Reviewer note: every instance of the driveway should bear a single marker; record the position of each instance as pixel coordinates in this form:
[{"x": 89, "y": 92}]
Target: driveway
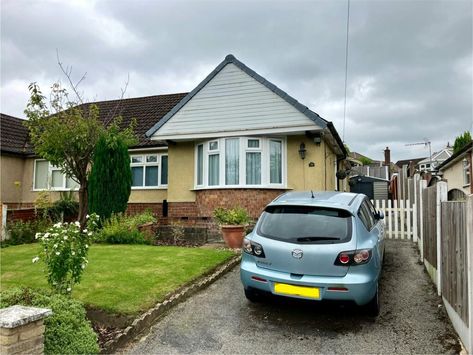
[{"x": 220, "y": 319}]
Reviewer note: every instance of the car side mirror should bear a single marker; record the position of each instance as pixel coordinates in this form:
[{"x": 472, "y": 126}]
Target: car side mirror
[{"x": 380, "y": 215}]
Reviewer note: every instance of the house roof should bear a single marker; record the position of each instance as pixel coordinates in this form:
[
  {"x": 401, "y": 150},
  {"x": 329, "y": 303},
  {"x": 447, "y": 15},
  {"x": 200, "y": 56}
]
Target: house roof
[
  {"x": 439, "y": 156},
  {"x": 14, "y": 138},
  {"x": 319, "y": 121},
  {"x": 146, "y": 110},
  {"x": 455, "y": 156},
  {"x": 401, "y": 163}
]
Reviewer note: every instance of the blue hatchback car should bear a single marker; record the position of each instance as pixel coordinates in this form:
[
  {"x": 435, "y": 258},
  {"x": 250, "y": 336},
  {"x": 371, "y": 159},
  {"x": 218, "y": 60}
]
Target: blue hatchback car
[{"x": 317, "y": 246}]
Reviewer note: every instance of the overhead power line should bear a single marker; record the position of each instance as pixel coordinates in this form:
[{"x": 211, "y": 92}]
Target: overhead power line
[{"x": 346, "y": 70}]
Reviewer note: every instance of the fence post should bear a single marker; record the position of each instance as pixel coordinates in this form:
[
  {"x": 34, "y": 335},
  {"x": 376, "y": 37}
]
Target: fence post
[
  {"x": 4, "y": 222},
  {"x": 390, "y": 220},
  {"x": 469, "y": 271},
  {"x": 422, "y": 186},
  {"x": 408, "y": 219},
  {"x": 395, "y": 219},
  {"x": 402, "y": 205},
  {"x": 441, "y": 196},
  {"x": 414, "y": 222}
]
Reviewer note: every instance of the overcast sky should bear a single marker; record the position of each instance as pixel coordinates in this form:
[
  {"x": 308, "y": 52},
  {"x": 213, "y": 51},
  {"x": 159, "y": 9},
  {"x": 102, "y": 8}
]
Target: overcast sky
[{"x": 409, "y": 70}]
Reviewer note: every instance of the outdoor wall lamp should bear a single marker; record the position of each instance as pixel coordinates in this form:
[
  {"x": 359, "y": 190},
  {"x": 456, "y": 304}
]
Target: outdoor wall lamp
[
  {"x": 302, "y": 151},
  {"x": 318, "y": 139}
]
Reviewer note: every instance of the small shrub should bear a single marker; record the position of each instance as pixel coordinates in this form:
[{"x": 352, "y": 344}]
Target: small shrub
[
  {"x": 231, "y": 216},
  {"x": 122, "y": 229},
  {"x": 177, "y": 232},
  {"x": 64, "y": 251},
  {"x": 67, "y": 330},
  {"x": 23, "y": 232},
  {"x": 65, "y": 208}
]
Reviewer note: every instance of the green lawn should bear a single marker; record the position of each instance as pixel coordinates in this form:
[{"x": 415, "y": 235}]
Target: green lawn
[{"x": 120, "y": 279}]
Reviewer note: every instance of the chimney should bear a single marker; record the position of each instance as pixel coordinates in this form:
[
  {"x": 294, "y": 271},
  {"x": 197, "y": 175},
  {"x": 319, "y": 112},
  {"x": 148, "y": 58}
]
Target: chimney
[{"x": 387, "y": 157}]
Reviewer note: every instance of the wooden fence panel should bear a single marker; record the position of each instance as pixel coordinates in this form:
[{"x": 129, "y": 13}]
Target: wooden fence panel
[
  {"x": 429, "y": 222},
  {"x": 455, "y": 257}
]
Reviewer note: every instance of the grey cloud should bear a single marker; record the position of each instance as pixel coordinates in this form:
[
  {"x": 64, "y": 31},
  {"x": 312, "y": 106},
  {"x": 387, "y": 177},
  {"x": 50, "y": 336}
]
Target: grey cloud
[{"x": 410, "y": 72}]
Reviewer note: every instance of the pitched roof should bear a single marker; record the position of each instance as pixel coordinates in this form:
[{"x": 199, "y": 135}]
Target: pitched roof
[
  {"x": 462, "y": 151},
  {"x": 401, "y": 163},
  {"x": 289, "y": 99},
  {"x": 14, "y": 136},
  {"x": 146, "y": 110}
]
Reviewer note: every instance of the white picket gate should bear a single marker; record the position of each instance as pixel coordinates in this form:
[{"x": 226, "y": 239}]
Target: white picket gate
[{"x": 398, "y": 219}]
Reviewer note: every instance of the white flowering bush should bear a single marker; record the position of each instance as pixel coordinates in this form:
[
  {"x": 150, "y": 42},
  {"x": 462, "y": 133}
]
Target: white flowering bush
[{"x": 64, "y": 250}]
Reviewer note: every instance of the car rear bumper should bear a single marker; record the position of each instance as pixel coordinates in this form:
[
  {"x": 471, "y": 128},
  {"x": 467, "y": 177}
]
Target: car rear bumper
[{"x": 358, "y": 285}]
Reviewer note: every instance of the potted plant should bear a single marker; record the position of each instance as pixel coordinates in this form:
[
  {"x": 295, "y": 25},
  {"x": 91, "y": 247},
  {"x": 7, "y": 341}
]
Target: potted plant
[{"x": 232, "y": 222}]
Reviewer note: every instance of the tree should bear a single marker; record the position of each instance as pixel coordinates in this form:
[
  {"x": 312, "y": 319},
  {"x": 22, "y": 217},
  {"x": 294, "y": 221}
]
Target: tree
[
  {"x": 110, "y": 177},
  {"x": 66, "y": 133},
  {"x": 365, "y": 161},
  {"x": 461, "y": 141}
]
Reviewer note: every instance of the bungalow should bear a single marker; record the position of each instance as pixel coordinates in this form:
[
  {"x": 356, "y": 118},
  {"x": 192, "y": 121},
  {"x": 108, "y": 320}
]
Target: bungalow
[
  {"x": 456, "y": 170},
  {"x": 236, "y": 139}
]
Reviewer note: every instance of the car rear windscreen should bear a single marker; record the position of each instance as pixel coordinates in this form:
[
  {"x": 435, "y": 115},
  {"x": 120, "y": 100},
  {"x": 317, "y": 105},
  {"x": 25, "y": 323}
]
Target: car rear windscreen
[{"x": 306, "y": 224}]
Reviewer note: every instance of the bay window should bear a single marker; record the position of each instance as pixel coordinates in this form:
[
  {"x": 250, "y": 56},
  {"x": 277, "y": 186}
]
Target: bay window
[
  {"x": 149, "y": 170},
  {"x": 47, "y": 176},
  {"x": 240, "y": 162}
]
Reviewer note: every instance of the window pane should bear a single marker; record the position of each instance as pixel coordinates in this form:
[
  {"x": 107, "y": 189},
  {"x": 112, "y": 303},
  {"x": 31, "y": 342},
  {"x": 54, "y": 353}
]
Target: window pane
[
  {"x": 200, "y": 164},
  {"x": 213, "y": 145},
  {"x": 57, "y": 178},
  {"x": 253, "y": 168},
  {"x": 164, "y": 170},
  {"x": 214, "y": 169},
  {"x": 232, "y": 161},
  {"x": 152, "y": 159},
  {"x": 41, "y": 174},
  {"x": 151, "y": 178},
  {"x": 275, "y": 166},
  {"x": 137, "y": 159},
  {"x": 253, "y": 143},
  {"x": 71, "y": 184},
  {"x": 137, "y": 174}
]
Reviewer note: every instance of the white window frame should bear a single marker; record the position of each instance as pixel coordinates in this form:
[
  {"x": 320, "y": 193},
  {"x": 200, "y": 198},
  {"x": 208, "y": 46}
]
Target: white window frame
[
  {"x": 243, "y": 146},
  {"x": 49, "y": 186},
  {"x": 144, "y": 163}
]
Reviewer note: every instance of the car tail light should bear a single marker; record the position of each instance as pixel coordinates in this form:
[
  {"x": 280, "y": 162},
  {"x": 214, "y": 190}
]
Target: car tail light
[
  {"x": 253, "y": 248},
  {"x": 353, "y": 257}
]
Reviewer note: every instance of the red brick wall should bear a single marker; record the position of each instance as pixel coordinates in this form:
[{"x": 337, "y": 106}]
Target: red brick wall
[
  {"x": 183, "y": 209},
  {"x": 135, "y": 208},
  {"x": 25, "y": 214},
  {"x": 254, "y": 200}
]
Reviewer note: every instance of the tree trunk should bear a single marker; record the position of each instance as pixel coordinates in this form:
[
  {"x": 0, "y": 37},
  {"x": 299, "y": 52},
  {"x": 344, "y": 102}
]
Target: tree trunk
[{"x": 83, "y": 203}]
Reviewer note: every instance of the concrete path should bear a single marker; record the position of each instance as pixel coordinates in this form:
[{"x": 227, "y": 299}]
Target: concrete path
[{"x": 220, "y": 319}]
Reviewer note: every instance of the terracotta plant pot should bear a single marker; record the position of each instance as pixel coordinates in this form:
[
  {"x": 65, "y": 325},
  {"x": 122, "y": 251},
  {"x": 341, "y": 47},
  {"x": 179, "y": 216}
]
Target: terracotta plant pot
[{"x": 233, "y": 235}]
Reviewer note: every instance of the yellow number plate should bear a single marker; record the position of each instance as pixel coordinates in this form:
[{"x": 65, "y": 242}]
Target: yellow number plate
[{"x": 303, "y": 291}]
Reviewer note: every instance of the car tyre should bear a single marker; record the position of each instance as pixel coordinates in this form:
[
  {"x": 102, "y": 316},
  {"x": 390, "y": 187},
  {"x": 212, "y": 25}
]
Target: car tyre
[
  {"x": 373, "y": 306},
  {"x": 253, "y": 295}
]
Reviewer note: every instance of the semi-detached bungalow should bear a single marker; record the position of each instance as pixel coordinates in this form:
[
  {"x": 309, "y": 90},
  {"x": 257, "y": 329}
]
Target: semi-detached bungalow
[{"x": 236, "y": 139}]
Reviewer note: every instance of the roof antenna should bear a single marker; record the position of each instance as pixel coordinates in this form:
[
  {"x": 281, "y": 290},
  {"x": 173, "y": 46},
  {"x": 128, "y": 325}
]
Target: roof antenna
[{"x": 312, "y": 192}]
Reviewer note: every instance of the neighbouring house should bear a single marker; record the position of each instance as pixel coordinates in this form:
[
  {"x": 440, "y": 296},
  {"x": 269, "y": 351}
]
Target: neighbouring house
[
  {"x": 410, "y": 165},
  {"x": 456, "y": 170},
  {"x": 376, "y": 168},
  {"x": 235, "y": 140},
  {"x": 431, "y": 164}
]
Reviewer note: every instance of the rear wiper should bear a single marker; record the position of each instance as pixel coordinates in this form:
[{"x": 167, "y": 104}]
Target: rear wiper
[{"x": 312, "y": 239}]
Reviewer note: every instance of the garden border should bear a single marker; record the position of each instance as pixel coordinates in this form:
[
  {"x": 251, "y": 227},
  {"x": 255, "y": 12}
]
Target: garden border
[{"x": 147, "y": 319}]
